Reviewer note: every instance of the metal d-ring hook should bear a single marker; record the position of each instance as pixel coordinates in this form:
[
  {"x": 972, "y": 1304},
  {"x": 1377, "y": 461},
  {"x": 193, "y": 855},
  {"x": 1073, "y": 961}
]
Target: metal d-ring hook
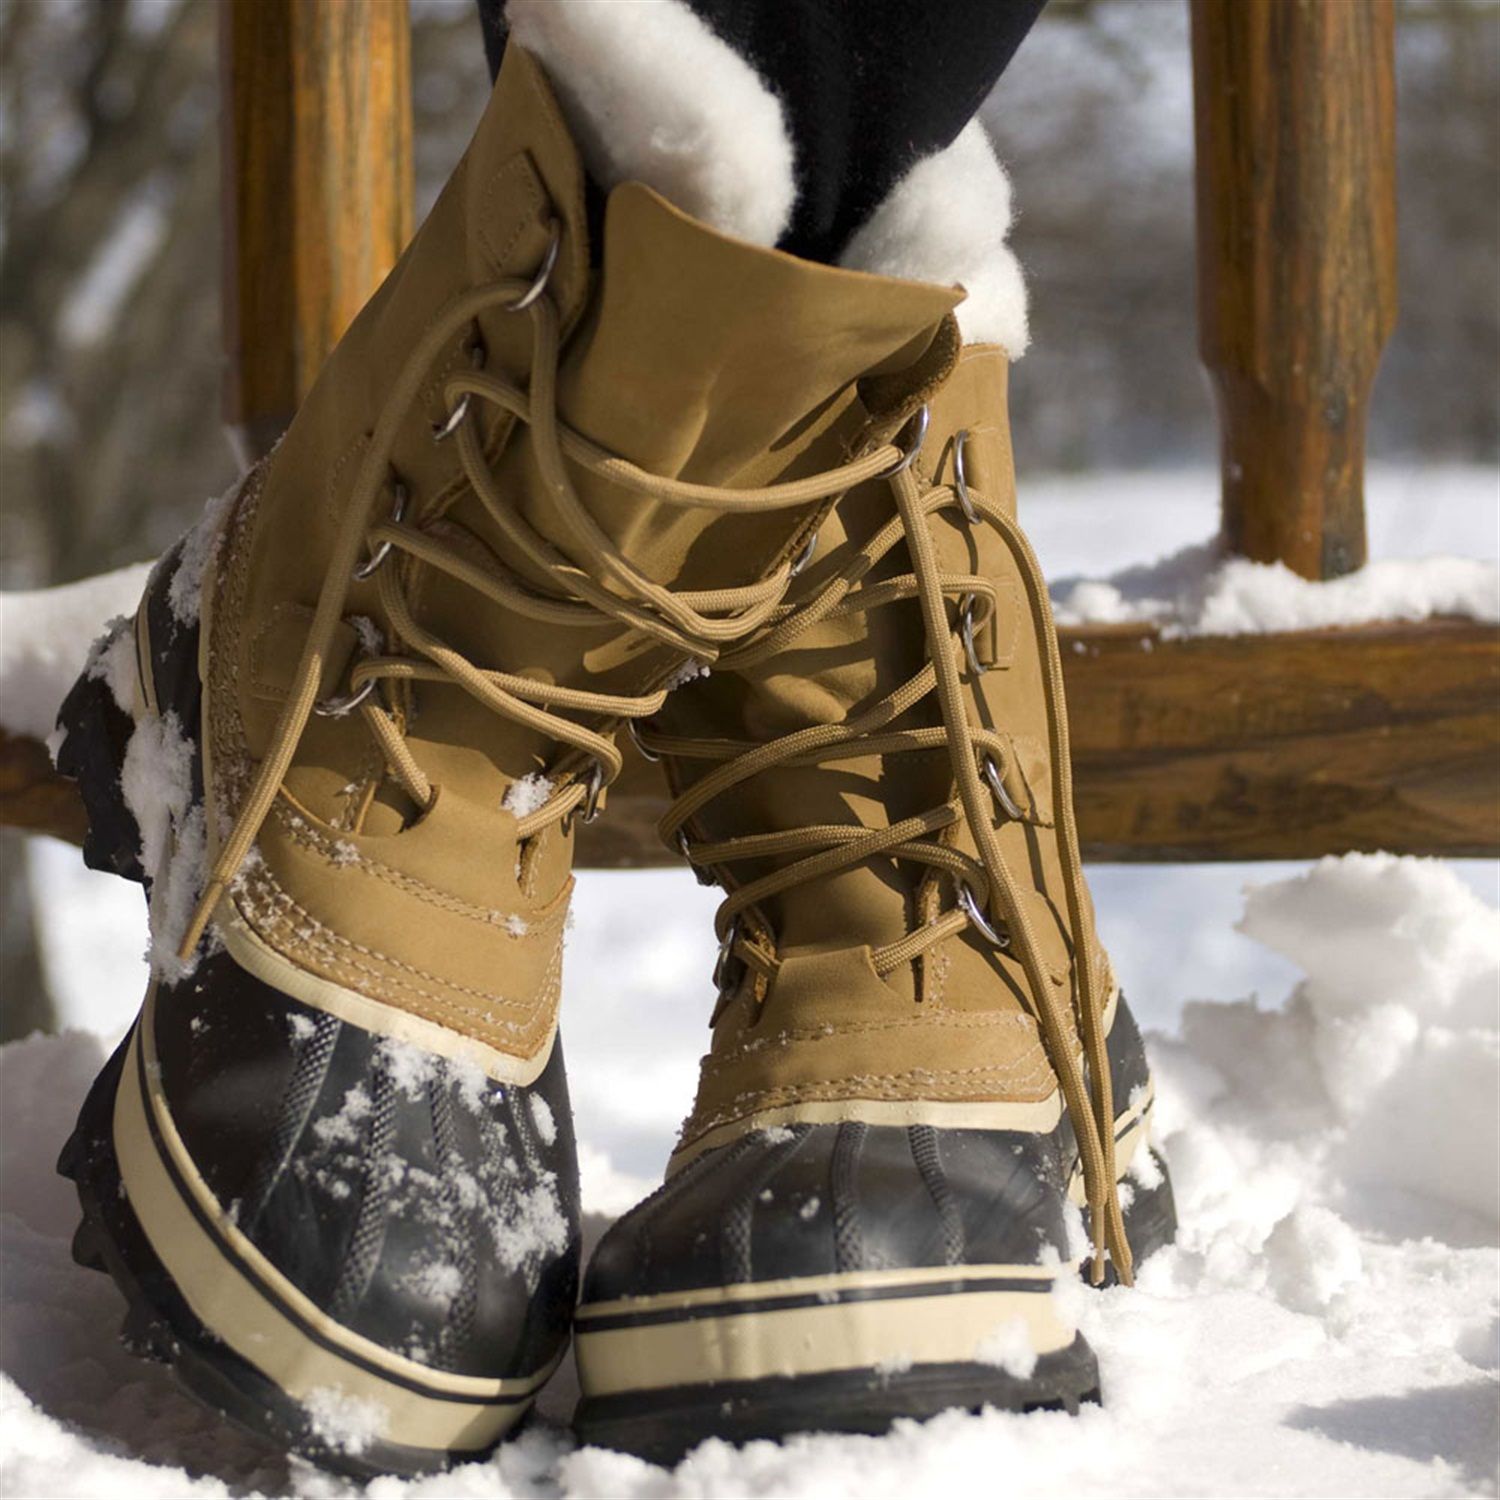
[
  {"x": 346, "y": 703},
  {"x": 960, "y": 478},
  {"x": 971, "y": 909},
  {"x": 997, "y": 786},
  {"x": 544, "y": 271},
  {"x": 922, "y": 421},
  {"x": 726, "y": 953},
  {"x": 634, "y": 730},
  {"x": 383, "y": 551},
  {"x": 966, "y": 630}
]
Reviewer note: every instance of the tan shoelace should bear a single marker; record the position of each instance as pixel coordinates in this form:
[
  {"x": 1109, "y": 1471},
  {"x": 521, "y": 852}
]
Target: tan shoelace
[
  {"x": 598, "y": 584},
  {"x": 976, "y": 754}
]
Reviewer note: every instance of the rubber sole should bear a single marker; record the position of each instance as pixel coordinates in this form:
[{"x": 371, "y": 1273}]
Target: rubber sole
[
  {"x": 235, "y": 1333},
  {"x": 846, "y": 1354}
]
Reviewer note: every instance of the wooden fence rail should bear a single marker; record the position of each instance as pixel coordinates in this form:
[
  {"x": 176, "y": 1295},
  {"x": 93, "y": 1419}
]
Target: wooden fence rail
[{"x": 1283, "y": 746}]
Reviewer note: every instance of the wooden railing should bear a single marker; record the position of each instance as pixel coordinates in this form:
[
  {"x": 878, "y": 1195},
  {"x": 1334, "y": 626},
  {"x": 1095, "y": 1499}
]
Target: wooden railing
[{"x": 1251, "y": 747}]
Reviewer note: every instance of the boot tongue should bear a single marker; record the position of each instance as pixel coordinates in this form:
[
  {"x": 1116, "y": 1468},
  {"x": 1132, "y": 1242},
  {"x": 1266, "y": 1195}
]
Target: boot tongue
[
  {"x": 705, "y": 354},
  {"x": 701, "y": 358}
]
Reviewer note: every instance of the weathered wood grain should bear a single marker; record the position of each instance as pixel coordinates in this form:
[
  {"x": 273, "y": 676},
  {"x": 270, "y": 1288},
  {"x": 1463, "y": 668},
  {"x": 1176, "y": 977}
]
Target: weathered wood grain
[
  {"x": 1245, "y": 747},
  {"x": 317, "y": 189},
  {"x": 1294, "y": 104},
  {"x": 1248, "y": 747},
  {"x": 33, "y": 796}
]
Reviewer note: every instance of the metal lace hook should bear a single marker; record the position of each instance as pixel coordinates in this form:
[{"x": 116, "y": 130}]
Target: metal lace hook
[
  {"x": 997, "y": 786},
  {"x": 633, "y": 728},
  {"x": 543, "y": 273},
  {"x": 805, "y": 556},
  {"x": 596, "y": 787},
  {"x": 726, "y": 953},
  {"x": 971, "y": 909},
  {"x": 383, "y": 551},
  {"x": 960, "y": 478},
  {"x": 446, "y": 429},
  {"x": 344, "y": 703},
  {"x": 685, "y": 849},
  {"x": 966, "y": 630},
  {"x": 922, "y": 421}
]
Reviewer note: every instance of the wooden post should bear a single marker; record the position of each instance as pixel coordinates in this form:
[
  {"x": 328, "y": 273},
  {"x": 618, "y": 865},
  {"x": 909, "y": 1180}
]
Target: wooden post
[
  {"x": 317, "y": 189},
  {"x": 1295, "y": 122}
]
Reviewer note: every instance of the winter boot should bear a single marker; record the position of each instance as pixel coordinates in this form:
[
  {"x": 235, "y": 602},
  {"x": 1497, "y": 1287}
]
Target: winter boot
[
  {"x": 346, "y": 740},
  {"x": 920, "y": 1066}
]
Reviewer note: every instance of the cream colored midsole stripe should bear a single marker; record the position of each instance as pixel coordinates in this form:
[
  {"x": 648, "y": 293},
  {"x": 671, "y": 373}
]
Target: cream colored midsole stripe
[
  {"x": 1132, "y": 1131},
  {"x": 831, "y": 1285},
  {"x": 859, "y": 1335},
  {"x": 252, "y": 953},
  {"x": 255, "y": 1327},
  {"x": 1037, "y": 1117}
]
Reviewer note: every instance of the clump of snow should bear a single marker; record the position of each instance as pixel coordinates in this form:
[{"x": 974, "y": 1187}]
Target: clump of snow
[
  {"x": 111, "y": 660},
  {"x": 371, "y": 638},
  {"x": 517, "y": 926},
  {"x": 541, "y": 1117},
  {"x": 156, "y": 780},
  {"x": 346, "y": 1127},
  {"x": 1326, "y": 1323},
  {"x": 1201, "y": 591},
  {"x": 689, "y": 671},
  {"x": 439, "y": 1282},
  {"x": 528, "y": 795},
  {"x": 1009, "y": 1346},
  {"x": 199, "y": 548},
  {"x": 411, "y": 1068},
  {"x": 45, "y": 641},
  {"x": 301, "y": 1027},
  {"x": 347, "y": 1424},
  {"x": 777, "y": 1135}
]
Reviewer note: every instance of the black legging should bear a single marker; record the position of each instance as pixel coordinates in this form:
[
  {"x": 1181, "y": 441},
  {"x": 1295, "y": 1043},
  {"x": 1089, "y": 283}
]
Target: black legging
[{"x": 869, "y": 88}]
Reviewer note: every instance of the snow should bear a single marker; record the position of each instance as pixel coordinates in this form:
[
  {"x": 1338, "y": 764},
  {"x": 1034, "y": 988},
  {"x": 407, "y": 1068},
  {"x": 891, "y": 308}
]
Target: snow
[
  {"x": 1326, "y": 1057},
  {"x": 1200, "y": 591},
  {"x": 45, "y": 636},
  {"x": 528, "y": 795}
]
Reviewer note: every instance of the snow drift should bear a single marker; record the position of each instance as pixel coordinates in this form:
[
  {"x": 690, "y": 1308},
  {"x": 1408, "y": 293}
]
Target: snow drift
[{"x": 1326, "y": 1324}]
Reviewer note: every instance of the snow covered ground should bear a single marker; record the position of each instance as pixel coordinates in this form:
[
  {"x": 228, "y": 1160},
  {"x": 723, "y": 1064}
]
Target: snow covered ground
[{"x": 1328, "y": 1054}]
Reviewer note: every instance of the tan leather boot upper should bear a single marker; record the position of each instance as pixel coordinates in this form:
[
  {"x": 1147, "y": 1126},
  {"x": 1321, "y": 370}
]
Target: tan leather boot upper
[
  {"x": 898, "y": 949},
  {"x": 525, "y": 494}
]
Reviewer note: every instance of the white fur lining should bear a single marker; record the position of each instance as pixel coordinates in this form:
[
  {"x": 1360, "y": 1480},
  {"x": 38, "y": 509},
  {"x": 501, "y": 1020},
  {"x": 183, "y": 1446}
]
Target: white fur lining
[
  {"x": 946, "y": 221},
  {"x": 655, "y": 97}
]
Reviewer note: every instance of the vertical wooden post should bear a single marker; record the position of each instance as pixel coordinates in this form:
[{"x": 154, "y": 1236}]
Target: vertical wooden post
[
  {"x": 317, "y": 189},
  {"x": 1295, "y": 122}
]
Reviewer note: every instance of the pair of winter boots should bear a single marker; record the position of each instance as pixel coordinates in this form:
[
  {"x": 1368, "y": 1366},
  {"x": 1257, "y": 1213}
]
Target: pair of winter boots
[{"x": 565, "y": 494}]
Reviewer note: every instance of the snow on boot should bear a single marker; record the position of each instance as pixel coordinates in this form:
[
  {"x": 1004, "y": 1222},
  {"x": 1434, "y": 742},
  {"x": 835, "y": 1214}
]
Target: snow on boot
[
  {"x": 347, "y": 737},
  {"x": 920, "y": 1069}
]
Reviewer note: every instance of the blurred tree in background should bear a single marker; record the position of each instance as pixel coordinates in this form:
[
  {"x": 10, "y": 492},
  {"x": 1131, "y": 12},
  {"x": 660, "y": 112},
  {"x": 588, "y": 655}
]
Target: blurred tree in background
[{"x": 110, "y": 438}]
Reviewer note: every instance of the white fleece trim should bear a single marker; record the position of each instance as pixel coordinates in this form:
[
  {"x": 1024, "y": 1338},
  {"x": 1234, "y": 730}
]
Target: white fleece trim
[
  {"x": 946, "y": 222},
  {"x": 654, "y": 96}
]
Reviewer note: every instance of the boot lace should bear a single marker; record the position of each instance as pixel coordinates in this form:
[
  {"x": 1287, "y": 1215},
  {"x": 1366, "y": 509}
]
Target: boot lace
[
  {"x": 987, "y": 896},
  {"x": 595, "y": 584}
]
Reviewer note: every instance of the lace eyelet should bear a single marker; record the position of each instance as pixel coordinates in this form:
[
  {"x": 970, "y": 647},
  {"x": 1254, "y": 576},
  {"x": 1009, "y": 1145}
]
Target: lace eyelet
[
  {"x": 444, "y": 430},
  {"x": 344, "y": 703},
  {"x": 997, "y": 786},
  {"x": 596, "y": 786},
  {"x": 922, "y": 421},
  {"x": 971, "y": 909},
  {"x": 544, "y": 272},
  {"x": 634, "y": 730},
  {"x": 685, "y": 849},
  {"x": 383, "y": 551},
  {"x": 726, "y": 954},
  {"x": 960, "y": 478},
  {"x": 966, "y": 630}
]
